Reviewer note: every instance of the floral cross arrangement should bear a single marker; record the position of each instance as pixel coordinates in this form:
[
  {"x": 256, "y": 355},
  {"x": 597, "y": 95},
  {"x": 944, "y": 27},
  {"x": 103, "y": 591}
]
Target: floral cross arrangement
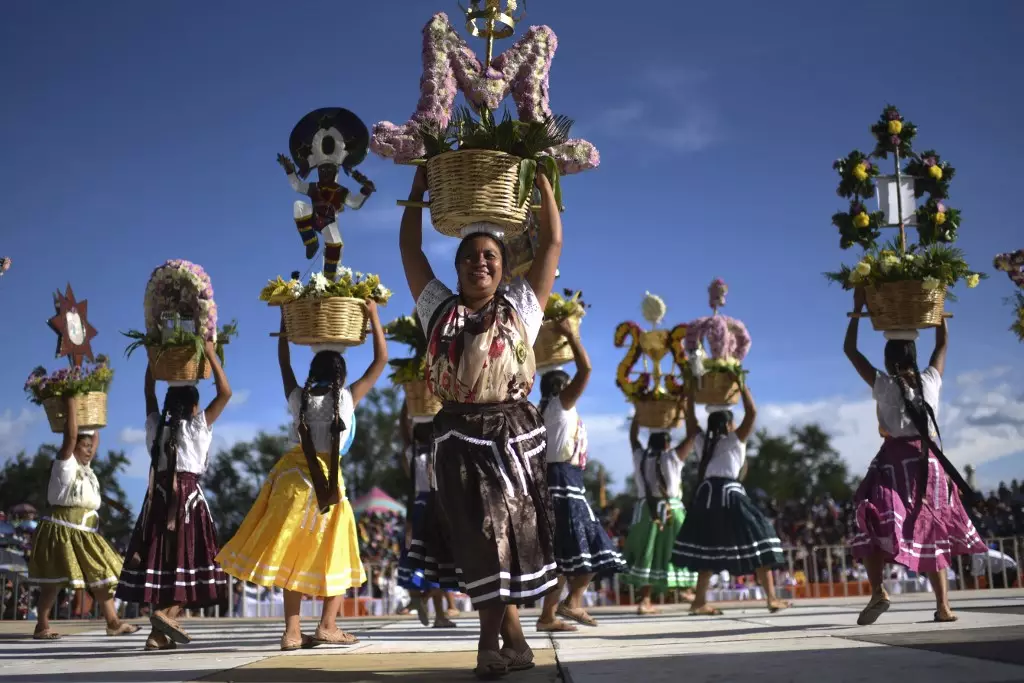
[
  {"x": 727, "y": 338},
  {"x": 651, "y": 384},
  {"x": 179, "y": 311},
  {"x": 1012, "y": 264},
  {"x": 931, "y": 261},
  {"x": 95, "y": 376},
  {"x": 350, "y": 284},
  {"x": 407, "y": 330}
]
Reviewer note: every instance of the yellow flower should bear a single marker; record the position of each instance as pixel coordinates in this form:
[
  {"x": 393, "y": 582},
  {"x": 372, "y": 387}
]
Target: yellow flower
[
  {"x": 886, "y": 253},
  {"x": 860, "y": 171},
  {"x": 930, "y": 283},
  {"x": 940, "y": 218},
  {"x": 935, "y": 172},
  {"x": 895, "y": 127},
  {"x": 863, "y": 268},
  {"x": 861, "y": 220},
  {"x": 890, "y": 261},
  {"x": 973, "y": 280}
]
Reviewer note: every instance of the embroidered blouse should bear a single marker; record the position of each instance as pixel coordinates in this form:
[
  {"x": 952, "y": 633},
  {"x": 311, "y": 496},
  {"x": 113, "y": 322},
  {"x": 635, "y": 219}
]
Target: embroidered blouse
[
  {"x": 73, "y": 485},
  {"x": 193, "y": 444},
  {"x": 319, "y": 417},
  {"x": 567, "y": 437}
]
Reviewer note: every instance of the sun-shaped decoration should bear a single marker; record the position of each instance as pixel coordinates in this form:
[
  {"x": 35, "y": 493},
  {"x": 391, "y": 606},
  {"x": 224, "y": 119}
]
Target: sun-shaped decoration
[{"x": 74, "y": 333}]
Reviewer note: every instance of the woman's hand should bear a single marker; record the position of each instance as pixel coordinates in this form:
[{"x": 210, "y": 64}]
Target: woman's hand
[
  {"x": 564, "y": 328},
  {"x": 286, "y": 164},
  {"x": 210, "y": 348},
  {"x": 371, "y": 308},
  {"x": 419, "y": 181},
  {"x": 859, "y": 299},
  {"x": 540, "y": 179}
]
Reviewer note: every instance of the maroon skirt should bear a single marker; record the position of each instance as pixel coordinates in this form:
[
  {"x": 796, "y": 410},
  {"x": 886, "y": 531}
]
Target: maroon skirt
[{"x": 174, "y": 567}]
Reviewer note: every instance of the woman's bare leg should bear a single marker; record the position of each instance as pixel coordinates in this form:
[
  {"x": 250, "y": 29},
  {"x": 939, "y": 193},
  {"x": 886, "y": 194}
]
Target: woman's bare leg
[
  {"x": 491, "y": 619},
  {"x": 292, "y": 607},
  {"x": 47, "y": 598},
  {"x": 767, "y": 581},
  {"x": 940, "y": 585}
]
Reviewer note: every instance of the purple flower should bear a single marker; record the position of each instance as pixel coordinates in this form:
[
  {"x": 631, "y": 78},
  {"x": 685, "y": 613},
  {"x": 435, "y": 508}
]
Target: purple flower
[
  {"x": 867, "y": 165},
  {"x": 929, "y": 161},
  {"x": 940, "y": 208},
  {"x": 895, "y": 140},
  {"x": 892, "y": 114},
  {"x": 856, "y": 208}
]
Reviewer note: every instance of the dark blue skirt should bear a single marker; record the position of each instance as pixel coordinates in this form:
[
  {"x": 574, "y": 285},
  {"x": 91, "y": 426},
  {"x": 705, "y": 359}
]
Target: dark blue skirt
[
  {"x": 410, "y": 577},
  {"x": 582, "y": 545}
]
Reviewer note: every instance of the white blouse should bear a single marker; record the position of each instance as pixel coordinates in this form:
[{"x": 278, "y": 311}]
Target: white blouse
[
  {"x": 519, "y": 293},
  {"x": 418, "y": 467},
  {"x": 193, "y": 443},
  {"x": 567, "y": 437},
  {"x": 892, "y": 411},
  {"x": 73, "y": 485},
  {"x": 320, "y": 417},
  {"x": 728, "y": 458},
  {"x": 671, "y": 466}
]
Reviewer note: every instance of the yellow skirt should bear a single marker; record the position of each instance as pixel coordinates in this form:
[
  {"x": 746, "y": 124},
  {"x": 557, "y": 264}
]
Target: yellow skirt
[{"x": 284, "y": 541}]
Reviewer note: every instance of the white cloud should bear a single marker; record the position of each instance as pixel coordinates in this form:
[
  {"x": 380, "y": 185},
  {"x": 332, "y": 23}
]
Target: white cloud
[
  {"x": 239, "y": 397},
  {"x": 132, "y": 435},
  {"x": 13, "y": 428}
]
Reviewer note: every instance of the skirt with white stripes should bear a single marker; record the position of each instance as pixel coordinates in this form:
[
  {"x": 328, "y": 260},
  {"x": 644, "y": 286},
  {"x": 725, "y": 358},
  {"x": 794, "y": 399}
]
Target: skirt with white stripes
[
  {"x": 409, "y": 576},
  {"x": 582, "y": 545},
  {"x": 489, "y": 528},
  {"x": 724, "y": 531}
]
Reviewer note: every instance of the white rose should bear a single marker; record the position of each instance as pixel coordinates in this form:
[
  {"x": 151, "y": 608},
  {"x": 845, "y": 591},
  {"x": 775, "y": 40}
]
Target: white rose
[{"x": 930, "y": 283}]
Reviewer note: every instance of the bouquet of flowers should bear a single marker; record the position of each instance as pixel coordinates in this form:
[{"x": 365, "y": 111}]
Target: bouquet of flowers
[
  {"x": 94, "y": 377},
  {"x": 728, "y": 342},
  {"x": 936, "y": 266},
  {"x": 407, "y": 330},
  {"x": 349, "y": 284},
  {"x": 568, "y": 304},
  {"x": 1013, "y": 265}
]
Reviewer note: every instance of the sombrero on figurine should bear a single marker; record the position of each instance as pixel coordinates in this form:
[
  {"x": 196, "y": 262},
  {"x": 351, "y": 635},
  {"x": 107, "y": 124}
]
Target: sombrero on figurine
[{"x": 330, "y": 135}]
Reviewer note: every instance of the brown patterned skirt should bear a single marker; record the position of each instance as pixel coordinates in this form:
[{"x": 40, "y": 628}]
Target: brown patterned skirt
[{"x": 489, "y": 529}]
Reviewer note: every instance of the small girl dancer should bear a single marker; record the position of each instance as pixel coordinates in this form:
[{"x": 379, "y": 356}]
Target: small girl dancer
[
  {"x": 582, "y": 547},
  {"x": 724, "y": 530},
  {"x": 67, "y": 550},
  {"x": 657, "y": 518},
  {"x": 907, "y": 512},
  {"x": 300, "y": 534},
  {"x": 170, "y": 559}
]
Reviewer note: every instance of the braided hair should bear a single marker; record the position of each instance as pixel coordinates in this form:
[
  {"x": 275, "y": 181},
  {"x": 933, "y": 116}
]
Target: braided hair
[
  {"x": 718, "y": 427},
  {"x": 326, "y": 366},
  {"x": 179, "y": 405},
  {"x": 657, "y": 443},
  {"x": 901, "y": 361},
  {"x": 551, "y": 385}
]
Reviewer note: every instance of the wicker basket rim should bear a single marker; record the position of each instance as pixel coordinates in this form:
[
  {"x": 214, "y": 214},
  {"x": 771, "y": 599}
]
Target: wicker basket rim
[{"x": 477, "y": 152}]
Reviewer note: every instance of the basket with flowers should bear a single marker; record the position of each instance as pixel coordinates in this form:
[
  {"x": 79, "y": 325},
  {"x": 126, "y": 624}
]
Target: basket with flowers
[
  {"x": 720, "y": 374},
  {"x": 180, "y": 316},
  {"x": 87, "y": 385},
  {"x": 655, "y": 395},
  {"x": 1012, "y": 263},
  {"x": 324, "y": 311},
  {"x": 906, "y": 285},
  {"x": 551, "y": 348},
  {"x": 411, "y": 373}
]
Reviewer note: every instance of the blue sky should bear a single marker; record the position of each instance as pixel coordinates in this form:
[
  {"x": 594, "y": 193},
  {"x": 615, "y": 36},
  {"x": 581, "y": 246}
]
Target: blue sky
[{"x": 133, "y": 133}]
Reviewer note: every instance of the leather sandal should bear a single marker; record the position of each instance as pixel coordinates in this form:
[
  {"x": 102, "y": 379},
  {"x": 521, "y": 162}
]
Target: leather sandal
[
  {"x": 490, "y": 665},
  {"x": 170, "y": 628},
  {"x": 304, "y": 642},
  {"x": 335, "y": 637}
]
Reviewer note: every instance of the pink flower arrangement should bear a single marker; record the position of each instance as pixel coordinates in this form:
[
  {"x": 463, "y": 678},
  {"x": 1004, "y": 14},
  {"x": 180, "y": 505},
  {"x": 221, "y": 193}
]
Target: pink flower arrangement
[
  {"x": 716, "y": 293},
  {"x": 727, "y": 337},
  {"x": 449, "y": 65},
  {"x": 183, "y": 288},
  {"x": 1012, "y": 263}
]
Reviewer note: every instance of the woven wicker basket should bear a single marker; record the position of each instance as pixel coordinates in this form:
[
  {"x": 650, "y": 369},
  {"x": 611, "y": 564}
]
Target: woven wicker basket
[
  {"x": 658, "y": 414},
  {"x": 179, "y": 364},
  {"x": 420, "y": 400},
  {"x": 332, "y": 320},
  {"x": 905, "y": 305},
  {"x": 475, "y": 185},
  {"x": 551, "y": 348},
  {"x": 90, "y": 409},
  {"x": 717, "y": 388}
]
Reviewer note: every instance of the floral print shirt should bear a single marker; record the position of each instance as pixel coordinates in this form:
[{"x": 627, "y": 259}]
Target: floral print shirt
[{"x": 482, "y": 357}]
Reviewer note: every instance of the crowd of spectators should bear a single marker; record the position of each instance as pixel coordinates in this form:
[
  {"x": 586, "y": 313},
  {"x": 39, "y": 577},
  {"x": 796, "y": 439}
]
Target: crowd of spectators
[{"x": 380, "y": 537}]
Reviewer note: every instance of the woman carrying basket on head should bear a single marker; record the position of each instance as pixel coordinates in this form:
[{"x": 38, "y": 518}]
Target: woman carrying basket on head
[
  {"x": 908, "y": 509},
  {"x": 490, "y": 529}
]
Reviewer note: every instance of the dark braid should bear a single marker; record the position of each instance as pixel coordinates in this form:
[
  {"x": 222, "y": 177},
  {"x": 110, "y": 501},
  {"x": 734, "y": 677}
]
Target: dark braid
[
  {"x": 657, "y": 444},
  {"x": 179, "y": 404},
  {"x": 718, "y": 427},
  {"x": 326, "y": 366},
  {"x": 551, "y": 385}
]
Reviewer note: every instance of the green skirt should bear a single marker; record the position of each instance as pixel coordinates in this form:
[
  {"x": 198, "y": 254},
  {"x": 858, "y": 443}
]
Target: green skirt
[
  {"x": 649, "y": 549},
  {"x": 68, "y": 552}
]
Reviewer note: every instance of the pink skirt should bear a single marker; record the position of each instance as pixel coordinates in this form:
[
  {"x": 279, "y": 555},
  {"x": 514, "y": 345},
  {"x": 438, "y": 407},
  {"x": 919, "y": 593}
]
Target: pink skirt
[{"x": 920, "y": 533}]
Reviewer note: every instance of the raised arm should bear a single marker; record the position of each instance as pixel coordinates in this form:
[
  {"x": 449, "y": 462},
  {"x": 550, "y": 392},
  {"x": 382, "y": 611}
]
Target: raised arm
[
  {"x": 366, "y": 188},
  {"x": 938, "y": 360},
  {"x": 684, "y": 449},
  {"x": 418, "y": 272},
  {"x": 293, "y": 179},
  {"x": 572, "y": 392},
  {"x": 362, "y": 386},
  {"x": 746, "y": 427},
  {"x": 67, "y": 446},
  {"x": 220, "y": 401},
  {"x": 284, "y": 359},
  {"x": 541, "y": 275},
  {"x": 861, "y": 364},
  {"x": 634, "y": 435},
  {"x": 149, "y": 390}
]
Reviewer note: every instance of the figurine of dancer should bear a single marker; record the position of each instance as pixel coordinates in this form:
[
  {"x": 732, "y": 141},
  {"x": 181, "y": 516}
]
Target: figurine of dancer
[{"x": 329, "y": 140}]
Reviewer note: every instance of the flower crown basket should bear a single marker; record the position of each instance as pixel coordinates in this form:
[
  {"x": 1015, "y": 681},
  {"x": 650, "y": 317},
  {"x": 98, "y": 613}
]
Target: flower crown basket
[
  {"x": 905, "y": 305},
  {"x": 551, "y": 348},
  {"x": 658, "y": 413},
  {"x": 420, "y": 400},
  {"x": 717, "y": 388},
  {"x": 91, "y": 409},
  {"x": 328, "y": 320},
  {"x": 473, "y": 186},
  {"x": 177, "y": 364}
]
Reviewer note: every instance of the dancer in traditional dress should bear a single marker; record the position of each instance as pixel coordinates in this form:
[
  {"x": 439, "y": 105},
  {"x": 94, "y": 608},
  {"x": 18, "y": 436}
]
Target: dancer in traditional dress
[
  {"x": 419, "y": 435},
  {"x": 169, "y": 563},
  {"x": 582, "y": 547},
  {"x": 907, "y": 511},
  {"x": 657, "y": 517},
  {"x": 67, "y": 550},
  {"x": 300, "y": 534},
  {"x": 492, "y": 507},
  {"x": 724, "y": 530}
]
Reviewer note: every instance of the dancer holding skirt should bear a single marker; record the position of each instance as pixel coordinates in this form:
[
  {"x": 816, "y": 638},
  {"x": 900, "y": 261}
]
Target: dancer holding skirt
[
  {"x": 490, "y": 529},
  {"x": 724, "y": 530},
  {"x": 582, "y": 547},
  {"x": 67, "y": 550},
  {"x": 908, "y": 508},
  {"x": 300, "y": 534},
  {"x": 170, "y": 556}
]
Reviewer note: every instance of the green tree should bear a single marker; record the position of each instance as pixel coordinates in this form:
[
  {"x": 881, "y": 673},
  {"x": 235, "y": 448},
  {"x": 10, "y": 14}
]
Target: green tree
[
  {"x": 801, "y": 465},
  {"x": 592, "y": 481},
  {"x": 373, "y": 458},
  {"x": 234, "y": 478}
]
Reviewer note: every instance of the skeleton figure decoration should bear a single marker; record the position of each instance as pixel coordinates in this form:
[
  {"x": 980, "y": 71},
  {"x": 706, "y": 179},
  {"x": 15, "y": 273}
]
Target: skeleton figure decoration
[{"x": 328, "y": 140}]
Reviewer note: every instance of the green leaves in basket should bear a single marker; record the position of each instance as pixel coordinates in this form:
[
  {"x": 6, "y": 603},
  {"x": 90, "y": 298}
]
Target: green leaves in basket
[{"x": 180, "y": 338}]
